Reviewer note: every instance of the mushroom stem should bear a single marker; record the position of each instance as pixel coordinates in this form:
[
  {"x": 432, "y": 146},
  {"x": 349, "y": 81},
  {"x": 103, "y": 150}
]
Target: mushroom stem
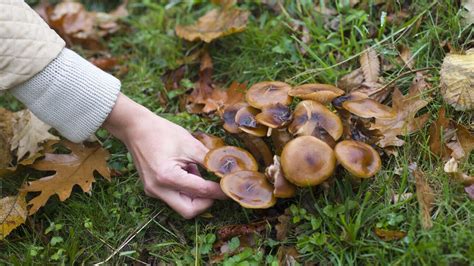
[{"x": 269, "y": 132}]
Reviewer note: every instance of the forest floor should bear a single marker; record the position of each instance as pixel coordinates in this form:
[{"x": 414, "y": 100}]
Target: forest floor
[{"x": 332, "y": 226}]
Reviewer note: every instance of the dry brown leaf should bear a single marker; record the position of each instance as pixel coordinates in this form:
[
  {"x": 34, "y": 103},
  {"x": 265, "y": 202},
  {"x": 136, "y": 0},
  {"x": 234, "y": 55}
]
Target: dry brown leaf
[
  {"x": 405, "y": 121},
  {"x": 351, "y": 81},
  {"x": 76, "y": 25},
  {"x": 283, "y": 226},
  {"x": 28, "y": 134},
  {"x": 13, "y": 213},
  {"x": 6, "y": 134},
  {"x": 214, "y": 24},
  {"x": 370, "y": 65},
  {"x": 406, "y": 56},
  {"x": 287, "y": 256},
  {"x": 451, "y": 167},
  {"x": 76, "y": 168},
  {"x": 457, "y": 81},
  {"x": 426, "y": 198},
  {"x": 437, "y": 135},
  {"x": 389, "y": 235},
  {"x": 106, "y": 63}
]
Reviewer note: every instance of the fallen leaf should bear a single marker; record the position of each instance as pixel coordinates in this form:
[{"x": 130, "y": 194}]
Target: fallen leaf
[
  {"x": 28, "y": 134},
  {"x": 457, "y": 81},
  {"x": 76, "y": 168},
  {"x": 438, "y": 141},
  {"x": 451, "y": 167},
  {"x": 469, "y": 13},
  {"x": 105, "y": 63},
  {"x": 283, "y": 226},
  {"x": 406, "y": 56},
  {"x": 214, "y": 24},
  {"x": 77, "y": 26},
  {"x": 13, "y": 213},
  {"x": 389, "y": 235},
  {"x": 426, "y": 198},
  {"x": 401, "y": 197},
  {"x": 351, "y": 81},
  {"x": 405, "y": 121},
  {"x": 287, "y": 256},
  {"x": 6, "y": 134},
  {"x": 229, "y": 231},
  {"x": 370, "y": 65}
]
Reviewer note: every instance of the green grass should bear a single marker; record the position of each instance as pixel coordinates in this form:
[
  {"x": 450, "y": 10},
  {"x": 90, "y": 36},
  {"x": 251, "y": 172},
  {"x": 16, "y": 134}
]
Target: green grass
[{"x": 333, "y": 226}]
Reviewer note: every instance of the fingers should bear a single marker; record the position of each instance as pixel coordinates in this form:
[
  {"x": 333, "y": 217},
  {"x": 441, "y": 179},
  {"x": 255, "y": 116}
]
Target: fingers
[
  {"x": 185, "y": 205},
  {"x": 198, "y": 152}
]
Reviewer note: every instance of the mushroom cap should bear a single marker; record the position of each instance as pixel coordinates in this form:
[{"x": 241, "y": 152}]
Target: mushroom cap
[
  {"x": 274, "y": 115},
  {"x": 279, "y": 139},
  {"x": 229, "y": 117},
  {"x": 337, "y": 102},
  {"x": 229, "y": 159},
  {"x": 359, "y": 158},
  {"x": 309, "y": 115},
  {"x": 245, "y": 119},
  {"x": 282, "y": 188},
  {"x": 368, "y": 108},
  {"x": 323, "y": 93},
  {"x": 249, "y": 188},
  {"x": 268, "y": 92},
  {"x": 307, "y": 161},
  {"x": 210, "y": 141}
]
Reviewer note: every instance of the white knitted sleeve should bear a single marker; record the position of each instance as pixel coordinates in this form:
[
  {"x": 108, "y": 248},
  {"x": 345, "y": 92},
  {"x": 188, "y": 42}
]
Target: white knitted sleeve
[{"x": 71, "y": 95}]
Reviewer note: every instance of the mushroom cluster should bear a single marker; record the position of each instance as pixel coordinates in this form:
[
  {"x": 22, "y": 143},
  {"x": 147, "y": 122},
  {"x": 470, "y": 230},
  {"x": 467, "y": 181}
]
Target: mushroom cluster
[{"x": 307, "y": 142}]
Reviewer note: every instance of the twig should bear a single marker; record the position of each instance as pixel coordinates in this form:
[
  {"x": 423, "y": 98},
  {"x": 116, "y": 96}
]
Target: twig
[{"x": 130, "y": 238}]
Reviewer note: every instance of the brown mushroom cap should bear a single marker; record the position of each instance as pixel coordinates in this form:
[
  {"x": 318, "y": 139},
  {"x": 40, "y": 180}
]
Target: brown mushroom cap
[
  {"x": 359, "y": 158},
  {"x": 282, "y": 188},
  {"x": 245, "y": 119},
  {"x": 229, "y": 159},
  {"x": 309, "y": 115},
  {"x": 337, "y": 102},
  {"x": 279, "y": 139},
  {"x": 274, "y": 115},
  {"x": 307, "y": 161},
  {"x": 229, "y": 117},
  {"x": 323, "y": 93},
  {"x": 368, "y": 108},
  {"x": 249, "y": 188},
  {"x": 210, "y": 141},
  {"x": 268, "y": 92}
]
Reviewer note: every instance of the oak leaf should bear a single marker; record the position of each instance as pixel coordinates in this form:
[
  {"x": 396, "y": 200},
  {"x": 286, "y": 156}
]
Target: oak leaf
[
  {"x": 405, "y": 120},
  {"x": 457, "y": 81},
  {"x": 13, "y": 213},
  {"x": 370, "y": 65},
  {"x": 28, "y": 134},
  {"x": 76, "y": 168},
  {"x": 214, "y": 24}
]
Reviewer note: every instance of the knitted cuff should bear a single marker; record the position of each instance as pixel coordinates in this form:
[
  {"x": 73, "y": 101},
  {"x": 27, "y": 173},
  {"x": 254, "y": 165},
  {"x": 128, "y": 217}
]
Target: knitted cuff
[{"x": 71, "y": 95}]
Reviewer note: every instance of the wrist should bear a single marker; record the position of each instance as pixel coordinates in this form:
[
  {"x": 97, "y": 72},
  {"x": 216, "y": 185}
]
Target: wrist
[{"x": 126, "y": 118}]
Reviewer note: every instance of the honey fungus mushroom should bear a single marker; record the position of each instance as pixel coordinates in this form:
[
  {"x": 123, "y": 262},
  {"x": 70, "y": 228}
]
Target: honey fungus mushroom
[
  {"x": 359, "y": 158},
  {"x": 228, "y": 159},
  {"x": 229, "y": 117},
  {"x": 210, "y": 141},
  {"x": 307, "y": 161},
  {"x": 249, "y": 188},
  {"x": 282, "y": 188},
  {"x": 274, "y": 115},
  {"x": 245, "y": 119},
  {"x": 310, "y": 116},
  {"x": 323, "y": 93},
  {"x": 268, "y": 92}
]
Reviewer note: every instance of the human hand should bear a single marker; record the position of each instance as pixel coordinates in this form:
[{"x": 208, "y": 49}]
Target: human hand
[{"x": 166, "y": 157}]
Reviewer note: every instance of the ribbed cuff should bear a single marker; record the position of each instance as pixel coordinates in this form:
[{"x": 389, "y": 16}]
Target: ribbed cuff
[{"x": 71, "y": 95}]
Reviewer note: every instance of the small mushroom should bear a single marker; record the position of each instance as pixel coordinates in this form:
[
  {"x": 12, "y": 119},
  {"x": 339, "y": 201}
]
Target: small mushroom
[
  {"x": 229, "y": 117},
  {"x": 258, "y": 148},
  {"x": 282, "y": 188},
  {"x": 210, "y": 141},
  {"x": 323, "y": 93},
  {"x": 268, "y": 92},
  {"x": 249, "y": 188},
  {"x": 245, "y": 119},
  {"x": 359, "y": 158},
  {"x": 307, "y": 161},
  {"x": 368, "y": 108},
  {"x": 274, "y": 115},
  {"x": 310, "y": 115},
  {"x": 229, "y": 159}
]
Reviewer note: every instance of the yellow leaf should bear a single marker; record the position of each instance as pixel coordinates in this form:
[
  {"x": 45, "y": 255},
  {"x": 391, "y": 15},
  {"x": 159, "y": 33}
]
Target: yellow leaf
[
  {"x": 457, "y": 81},
  {"x": 214, "y": 24},
  {"x": 388, "y": 235},
  {"x": 28, "y": 133},
  {"x": 426, "y": 198},
  {"x": 76, "y": 168},
  {"x": 13, "y": 213}
]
